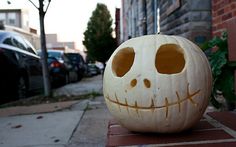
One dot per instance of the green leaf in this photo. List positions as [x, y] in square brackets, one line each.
[220, 42]
[205, 46]
[217, 61]
[214, 42]
[224, 35]
[222, 69]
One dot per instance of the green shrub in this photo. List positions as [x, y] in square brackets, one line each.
[222, 69]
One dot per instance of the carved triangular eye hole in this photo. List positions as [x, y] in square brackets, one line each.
[123, 61]
[170, 59]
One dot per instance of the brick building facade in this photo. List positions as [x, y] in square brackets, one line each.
[188, 18]
[223, 11]
[138, 17]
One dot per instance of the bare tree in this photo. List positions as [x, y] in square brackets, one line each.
[46, 79]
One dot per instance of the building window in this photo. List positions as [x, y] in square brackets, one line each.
[12, 21]
[2, 18]
[12, 18]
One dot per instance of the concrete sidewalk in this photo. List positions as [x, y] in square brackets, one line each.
[44, 129]
[43, 125]
[80, 123]
[62, 124]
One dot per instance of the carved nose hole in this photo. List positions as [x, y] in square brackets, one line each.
[147, 83]
[133, 83]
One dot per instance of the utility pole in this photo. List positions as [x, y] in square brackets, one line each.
[44, 55]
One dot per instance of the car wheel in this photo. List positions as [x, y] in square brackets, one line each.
[21, 88]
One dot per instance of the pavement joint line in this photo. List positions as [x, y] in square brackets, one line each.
[217, 124]
[75, 128]
[77, 123]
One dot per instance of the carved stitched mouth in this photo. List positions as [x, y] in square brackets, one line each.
[189, 96]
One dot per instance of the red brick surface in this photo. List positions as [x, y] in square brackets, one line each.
[204, 134]
[231, 27]
[222, 12]
[226, 118]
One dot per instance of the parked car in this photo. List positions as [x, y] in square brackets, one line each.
[78, 61]
[71, 69]
[57, 71]
[21, 70]
[93, 69]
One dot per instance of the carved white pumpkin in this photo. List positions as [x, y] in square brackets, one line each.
[157, 83]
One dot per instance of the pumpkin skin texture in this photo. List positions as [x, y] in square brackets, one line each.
[157, 83]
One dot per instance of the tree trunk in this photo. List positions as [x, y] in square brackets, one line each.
[104, 66]
[46, 81]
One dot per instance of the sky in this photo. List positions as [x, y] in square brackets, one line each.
[67, 18]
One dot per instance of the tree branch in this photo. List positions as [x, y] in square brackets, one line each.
[49, 1]
[34, 4]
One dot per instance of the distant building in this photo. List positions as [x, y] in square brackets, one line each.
[15, 17]
[53, 43]
[188, 18]
[138, 17]
[17, 20]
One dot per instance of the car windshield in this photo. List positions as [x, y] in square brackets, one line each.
[57, 55]
[73, 57]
